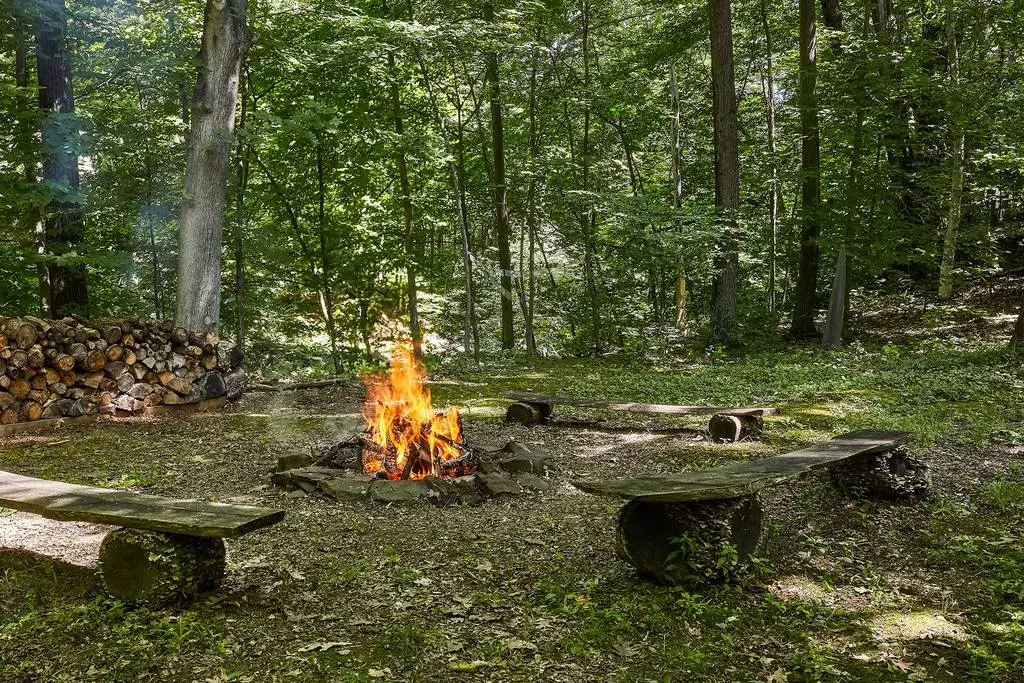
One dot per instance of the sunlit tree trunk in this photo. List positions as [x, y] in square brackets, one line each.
[727, 169]
[677, 193]
[775, 188]
[508, 340]
[956, 190]
[225, 39]
[805, 296]
[64, 231]
[402, 163]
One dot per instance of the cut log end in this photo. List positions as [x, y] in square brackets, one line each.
[524, 414]
[159, 569]
[675, 543]
[727, 428]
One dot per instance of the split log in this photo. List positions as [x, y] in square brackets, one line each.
[94, 361]
[114, 353]
[36, 359]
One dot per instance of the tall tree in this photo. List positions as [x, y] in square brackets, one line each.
[224, 42]
[956, 161]
[727, 169]
[500, 191]
[64, 233]
[805, 296]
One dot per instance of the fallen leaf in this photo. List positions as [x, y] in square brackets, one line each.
[324, 647]
[517, 644]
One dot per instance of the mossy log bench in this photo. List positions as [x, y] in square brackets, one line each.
[699, 525]
[726, 424]
[167, 550]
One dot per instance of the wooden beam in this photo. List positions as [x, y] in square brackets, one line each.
[72, 502]
[528, 397]
[740, 479]
[43, 425]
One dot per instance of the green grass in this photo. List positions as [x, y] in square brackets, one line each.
[970, 396]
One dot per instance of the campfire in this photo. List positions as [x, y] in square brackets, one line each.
[405, 437]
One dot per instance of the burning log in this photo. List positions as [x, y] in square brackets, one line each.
[406, 438]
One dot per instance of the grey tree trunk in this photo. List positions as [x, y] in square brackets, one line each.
[401, 161]
[956, 190]
[588, 219]
[225, 40]
[727, 169]
[775, 190]
[508, 339]
[64, 229]
[805, 296]
[677, 193]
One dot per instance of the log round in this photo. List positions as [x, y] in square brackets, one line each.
[891, 475]
[676, 543]
[727, 428]
[159, 569]
[523, 413]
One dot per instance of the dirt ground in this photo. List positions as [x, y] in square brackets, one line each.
[524, 589]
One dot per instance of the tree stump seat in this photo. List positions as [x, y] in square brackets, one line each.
[726, 423]
[701, 525]
[166, 551]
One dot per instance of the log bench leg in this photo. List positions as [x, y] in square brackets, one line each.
[675, 543]
[890, 475]
[528, 413]
[733, 428]
[159, 568]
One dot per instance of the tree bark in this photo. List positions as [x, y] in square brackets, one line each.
[224, 42]
[402, 163]
[956, 190]
[500, 193]
[727, 169]
[64, 231]
[775, 190]
[677, 194]
[805, 296]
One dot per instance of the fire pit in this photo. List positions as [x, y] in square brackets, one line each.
[405, 437]
[409, 451]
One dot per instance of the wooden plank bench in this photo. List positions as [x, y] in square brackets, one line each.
[726, 424]
[166, 549]
[679, 526]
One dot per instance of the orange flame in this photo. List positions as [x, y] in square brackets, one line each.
[401, 421]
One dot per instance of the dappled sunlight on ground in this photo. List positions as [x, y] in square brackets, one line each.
[75, 543]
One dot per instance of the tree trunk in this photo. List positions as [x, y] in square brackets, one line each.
[64, 230]
[225, 40]
[240, 222]
[956, 190]
[727, 169]
[775, 190]
[805, 296]
[677, 194]
[500, 193]
[587, 216]
[326, 266]
[410, 232]
[531, 209]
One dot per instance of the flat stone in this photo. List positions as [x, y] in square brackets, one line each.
[293, 461]
[297, 493]
[516, 448]
[497, 484]
[305, 478]
[398, 491]
[533, 463]
[531, 482]
[345, 488]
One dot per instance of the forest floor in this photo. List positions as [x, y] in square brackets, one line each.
[530, 589]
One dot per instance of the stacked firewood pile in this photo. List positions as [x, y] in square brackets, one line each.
[73, 367]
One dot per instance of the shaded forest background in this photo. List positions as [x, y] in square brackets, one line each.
[599, 118]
